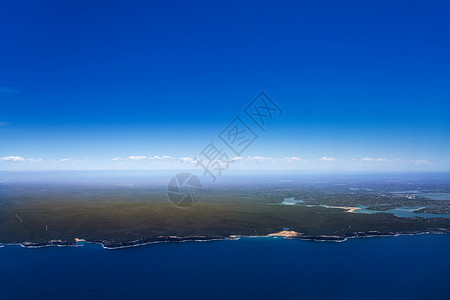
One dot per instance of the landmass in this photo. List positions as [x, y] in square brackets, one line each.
[118, 216]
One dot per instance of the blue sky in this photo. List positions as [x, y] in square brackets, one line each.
[143, 85]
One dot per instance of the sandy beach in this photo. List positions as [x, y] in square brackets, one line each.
[285, 233]
[350, 209]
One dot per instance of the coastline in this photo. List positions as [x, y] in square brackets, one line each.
[110, 245]
[349, 209]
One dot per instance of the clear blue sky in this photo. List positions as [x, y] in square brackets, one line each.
[364, 85]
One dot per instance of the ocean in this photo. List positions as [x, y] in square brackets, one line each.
[401, 267]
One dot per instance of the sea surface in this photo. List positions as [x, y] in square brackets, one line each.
[402, 267]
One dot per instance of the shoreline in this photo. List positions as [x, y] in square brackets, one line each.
[349, 209]
[108, 245]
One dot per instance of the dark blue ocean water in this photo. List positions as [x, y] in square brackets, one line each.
[404, 267]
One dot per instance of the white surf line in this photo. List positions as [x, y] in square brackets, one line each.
[21, 221]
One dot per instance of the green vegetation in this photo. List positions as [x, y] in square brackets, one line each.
[125, 219]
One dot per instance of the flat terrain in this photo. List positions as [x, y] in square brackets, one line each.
[39, 212]
[129, 219]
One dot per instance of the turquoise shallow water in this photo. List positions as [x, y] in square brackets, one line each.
[403, 267]
[404, 212]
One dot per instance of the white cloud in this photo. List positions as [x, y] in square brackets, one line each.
[137, 157]
[259, 159]
[239, 162]
[34, 160]
[19, 158]
[65, 159]
[156, 157]
[375, 159]
[262, 159]
[422, 162]
[293, 159]
[397, 160]
[327, 158]
[12, 158]
[368, 159]
[186, 159]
